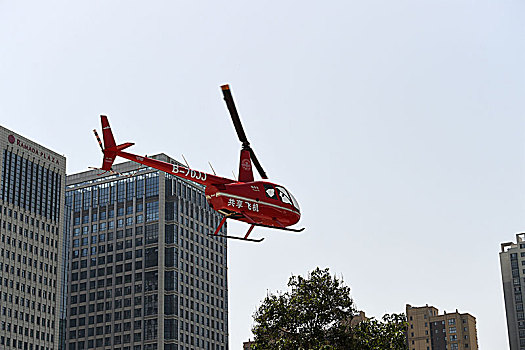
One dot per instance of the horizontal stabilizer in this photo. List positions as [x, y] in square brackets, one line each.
[120, 147]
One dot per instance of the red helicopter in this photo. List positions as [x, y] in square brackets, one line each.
[258, 203]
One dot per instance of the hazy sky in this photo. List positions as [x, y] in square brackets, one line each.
[398, 125]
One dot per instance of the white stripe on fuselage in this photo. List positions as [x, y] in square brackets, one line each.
[251, 200]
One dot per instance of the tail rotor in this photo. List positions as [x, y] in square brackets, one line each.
[99, 140]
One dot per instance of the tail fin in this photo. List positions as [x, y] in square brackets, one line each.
[109, 141]
[110, 148]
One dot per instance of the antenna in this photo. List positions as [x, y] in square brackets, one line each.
[235, 177]
[185, 161]
[211, 166]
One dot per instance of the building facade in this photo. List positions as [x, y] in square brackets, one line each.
[144, 274]
[512, 263]
[427, 330]
[31, 219]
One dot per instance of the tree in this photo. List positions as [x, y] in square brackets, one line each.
[390, 334]
[317, 313]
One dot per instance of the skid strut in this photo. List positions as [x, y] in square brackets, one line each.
[249, 231]
[216, 233]
[220, 226]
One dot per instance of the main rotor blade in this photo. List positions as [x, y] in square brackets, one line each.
[257, 164]
[228, 98]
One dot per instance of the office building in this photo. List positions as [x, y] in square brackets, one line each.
[427, 330]
[512, 262]
[31, 219]
[144, 273]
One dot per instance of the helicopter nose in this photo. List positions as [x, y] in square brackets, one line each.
[297, 217]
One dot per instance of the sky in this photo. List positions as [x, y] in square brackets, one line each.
[398, 125]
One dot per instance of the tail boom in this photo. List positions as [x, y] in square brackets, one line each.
[111, 150]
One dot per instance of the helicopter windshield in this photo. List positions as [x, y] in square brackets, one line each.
[279, 192]
[287, 197]
[294, 201]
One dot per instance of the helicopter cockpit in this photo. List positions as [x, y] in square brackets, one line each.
[280, 193]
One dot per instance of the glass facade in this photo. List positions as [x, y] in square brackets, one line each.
[144, 274]
[31, 185]
[31, 245]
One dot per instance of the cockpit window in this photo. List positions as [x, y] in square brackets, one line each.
[284, 195]
[270, 191]
[294, 201]
[280, 193]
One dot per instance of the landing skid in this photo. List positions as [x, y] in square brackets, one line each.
[239, 238]
[245, 238]
[252, 225]
[282, 228]
[113, 172]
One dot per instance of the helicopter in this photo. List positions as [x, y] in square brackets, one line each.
[258, 203]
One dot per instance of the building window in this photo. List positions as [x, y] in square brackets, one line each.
[152, 211]
[151, 257]
[152, 185]
[130, 189]
[140, 186]
[150, 305]
[150, 329]
[152, 233]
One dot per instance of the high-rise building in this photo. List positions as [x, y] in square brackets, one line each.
[31, 219]
[427, 330]
[512, 261]
[144, 274]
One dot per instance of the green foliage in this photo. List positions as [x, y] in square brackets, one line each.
[316, 314]
[390, 334]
